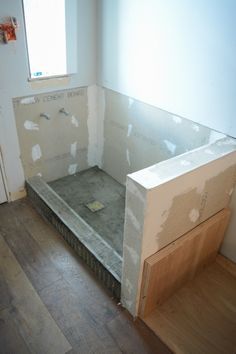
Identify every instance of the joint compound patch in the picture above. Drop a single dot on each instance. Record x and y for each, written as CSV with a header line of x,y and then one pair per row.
x,y
133,219
214,136
130,127
177,120
73,149
72,169
133,189
196,128
95,206
36,152
194,215
29,125
209,152
227,141
131,102
75,121
185,163
92,125
201,187
164,217
101,109
170,146
133,254
129,286
128,157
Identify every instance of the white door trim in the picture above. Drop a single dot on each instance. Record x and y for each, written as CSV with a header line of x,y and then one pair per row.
x,y
3,178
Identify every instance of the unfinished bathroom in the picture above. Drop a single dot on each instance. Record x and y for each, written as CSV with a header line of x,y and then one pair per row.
x,y
118,126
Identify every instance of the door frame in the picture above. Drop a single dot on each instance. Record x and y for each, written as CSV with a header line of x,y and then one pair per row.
x,y
4,178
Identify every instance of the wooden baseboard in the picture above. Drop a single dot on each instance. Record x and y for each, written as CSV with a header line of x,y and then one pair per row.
x,y
18,195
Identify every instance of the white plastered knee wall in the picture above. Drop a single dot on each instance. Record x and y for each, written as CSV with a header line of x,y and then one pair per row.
x,y
167,200
201,182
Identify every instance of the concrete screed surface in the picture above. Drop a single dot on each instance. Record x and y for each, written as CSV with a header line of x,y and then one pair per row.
x,y
94,184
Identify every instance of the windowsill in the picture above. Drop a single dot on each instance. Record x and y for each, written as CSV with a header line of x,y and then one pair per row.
x,y
60,77
50,82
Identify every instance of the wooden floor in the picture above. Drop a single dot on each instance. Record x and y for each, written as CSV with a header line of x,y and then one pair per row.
x,y
49,300
200,318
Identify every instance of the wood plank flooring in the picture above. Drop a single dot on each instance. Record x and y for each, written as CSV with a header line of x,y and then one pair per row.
x,y
49,300
200,318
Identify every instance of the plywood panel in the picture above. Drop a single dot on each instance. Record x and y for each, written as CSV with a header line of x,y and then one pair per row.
x,y
167,270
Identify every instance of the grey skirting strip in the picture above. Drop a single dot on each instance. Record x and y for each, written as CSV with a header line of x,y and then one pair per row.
x,y
104,262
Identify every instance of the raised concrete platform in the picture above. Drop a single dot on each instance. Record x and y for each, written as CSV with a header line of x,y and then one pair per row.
x,y
103,260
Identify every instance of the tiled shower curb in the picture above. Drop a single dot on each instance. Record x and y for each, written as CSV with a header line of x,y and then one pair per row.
x,y
105,263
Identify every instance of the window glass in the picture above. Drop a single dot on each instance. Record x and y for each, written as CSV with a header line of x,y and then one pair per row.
x,y
45,23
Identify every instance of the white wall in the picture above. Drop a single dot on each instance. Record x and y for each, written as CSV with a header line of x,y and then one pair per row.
x,y
176,55
14,75
3,196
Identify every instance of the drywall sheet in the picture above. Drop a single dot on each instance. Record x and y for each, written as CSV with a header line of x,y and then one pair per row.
x,y
137,135
169,199
53,144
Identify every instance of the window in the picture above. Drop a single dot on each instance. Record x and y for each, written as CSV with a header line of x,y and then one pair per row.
x,y
48,26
